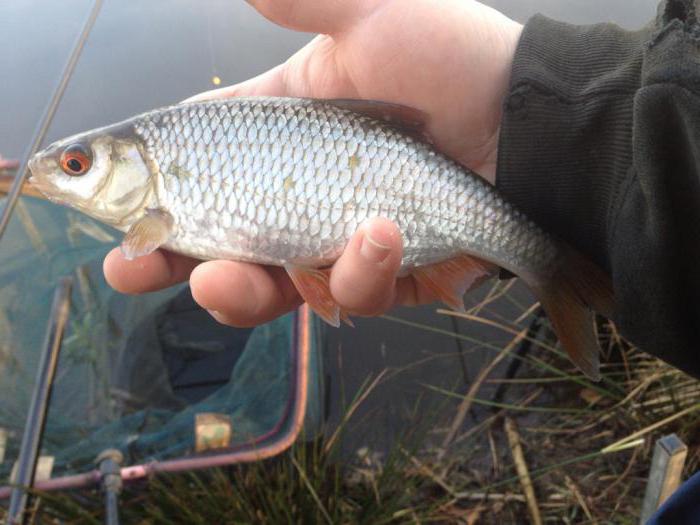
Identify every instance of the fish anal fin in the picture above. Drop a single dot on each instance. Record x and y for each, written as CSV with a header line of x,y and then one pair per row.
x,y
314,287
147,234
570,298
408,120
449,280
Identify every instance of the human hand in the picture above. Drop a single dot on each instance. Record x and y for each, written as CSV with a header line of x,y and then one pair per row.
x,y
8,164
449,58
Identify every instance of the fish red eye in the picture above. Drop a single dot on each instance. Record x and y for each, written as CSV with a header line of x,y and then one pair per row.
x,y
76,160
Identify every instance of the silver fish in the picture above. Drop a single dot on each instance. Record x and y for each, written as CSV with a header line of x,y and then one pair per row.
x,y
287,181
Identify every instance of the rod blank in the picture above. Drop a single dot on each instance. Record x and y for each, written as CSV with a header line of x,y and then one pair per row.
x,y
36,417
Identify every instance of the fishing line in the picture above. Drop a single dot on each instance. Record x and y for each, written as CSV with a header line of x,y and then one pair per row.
x,y
215,78
47,118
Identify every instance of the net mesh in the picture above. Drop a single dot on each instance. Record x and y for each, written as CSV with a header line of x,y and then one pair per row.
x,y
133,371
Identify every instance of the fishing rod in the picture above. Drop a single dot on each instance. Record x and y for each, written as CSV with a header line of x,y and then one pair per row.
x,y
36,417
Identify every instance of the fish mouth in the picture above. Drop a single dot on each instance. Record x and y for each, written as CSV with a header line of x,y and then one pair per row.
x,y
35,168
39,169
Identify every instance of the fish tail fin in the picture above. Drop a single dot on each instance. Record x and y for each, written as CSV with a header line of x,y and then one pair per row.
x,y
570,297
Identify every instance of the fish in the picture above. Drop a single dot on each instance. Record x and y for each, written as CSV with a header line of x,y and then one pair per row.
x,y
287,181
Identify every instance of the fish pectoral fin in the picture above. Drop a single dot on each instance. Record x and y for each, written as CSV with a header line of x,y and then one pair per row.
x,y
410,121
570,299
147,234
449,280
314,287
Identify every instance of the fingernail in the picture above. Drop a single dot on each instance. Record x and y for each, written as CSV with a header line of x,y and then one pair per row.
x,y
372,250
216,315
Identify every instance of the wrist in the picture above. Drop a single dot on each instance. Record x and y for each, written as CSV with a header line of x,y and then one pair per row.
x,y
565,141
509,35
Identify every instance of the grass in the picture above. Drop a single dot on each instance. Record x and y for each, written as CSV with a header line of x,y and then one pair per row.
x,y
583,447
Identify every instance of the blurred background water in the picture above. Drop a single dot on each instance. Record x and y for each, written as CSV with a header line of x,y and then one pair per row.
x,y
142,55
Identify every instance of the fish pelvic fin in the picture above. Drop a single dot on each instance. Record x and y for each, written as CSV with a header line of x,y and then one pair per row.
x,y
314,287
570,298
147,234
449,280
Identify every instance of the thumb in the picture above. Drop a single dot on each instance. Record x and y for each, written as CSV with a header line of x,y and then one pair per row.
x,y
363,280
312,16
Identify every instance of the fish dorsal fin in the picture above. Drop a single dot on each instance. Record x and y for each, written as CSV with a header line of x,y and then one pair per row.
x,y
408,120
147,234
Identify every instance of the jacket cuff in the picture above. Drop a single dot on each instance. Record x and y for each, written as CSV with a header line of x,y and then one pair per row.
x,y
565,143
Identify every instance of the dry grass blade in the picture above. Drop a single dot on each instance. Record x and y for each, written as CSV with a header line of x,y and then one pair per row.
x,y
490,420
627,441
491,496
497,291
351,410
310,487
527,313
640,388
468,400
621,477
579,498
500,326
523,472
430,473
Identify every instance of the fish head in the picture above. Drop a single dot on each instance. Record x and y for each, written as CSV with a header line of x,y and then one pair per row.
x,y
103,173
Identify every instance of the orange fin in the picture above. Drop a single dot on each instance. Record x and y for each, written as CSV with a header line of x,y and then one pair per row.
x,y
344,317
313,286
147,234
570,297
451,279
408,120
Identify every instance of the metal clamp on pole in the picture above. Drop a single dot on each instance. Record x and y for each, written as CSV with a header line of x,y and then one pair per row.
x,y
109,464
36,417
665,474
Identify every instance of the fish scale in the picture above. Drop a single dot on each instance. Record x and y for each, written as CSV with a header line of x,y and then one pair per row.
x,y
287,182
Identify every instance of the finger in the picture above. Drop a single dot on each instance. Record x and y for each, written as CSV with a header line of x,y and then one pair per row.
x,y
155,271
363,278
8,164
312,16
242,294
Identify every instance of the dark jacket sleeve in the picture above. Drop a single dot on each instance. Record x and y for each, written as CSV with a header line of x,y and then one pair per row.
x,y
600,144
